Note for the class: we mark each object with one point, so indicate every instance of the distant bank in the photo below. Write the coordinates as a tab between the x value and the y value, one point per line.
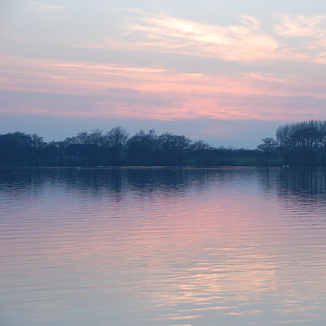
302	143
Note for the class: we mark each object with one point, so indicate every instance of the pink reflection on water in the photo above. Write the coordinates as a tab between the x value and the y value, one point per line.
208	251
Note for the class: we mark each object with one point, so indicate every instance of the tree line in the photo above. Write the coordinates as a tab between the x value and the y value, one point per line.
298	144
116	148
302	143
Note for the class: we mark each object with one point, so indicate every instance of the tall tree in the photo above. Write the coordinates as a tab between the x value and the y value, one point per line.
173	148
201	151
116	140
143	149
267	149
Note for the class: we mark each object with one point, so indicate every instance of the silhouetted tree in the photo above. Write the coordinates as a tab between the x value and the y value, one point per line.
201	151
16	149
116	140
303	145
173	148
267	149
143	149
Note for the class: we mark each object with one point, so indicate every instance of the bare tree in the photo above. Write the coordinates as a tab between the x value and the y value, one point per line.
116	140
201	150
267	148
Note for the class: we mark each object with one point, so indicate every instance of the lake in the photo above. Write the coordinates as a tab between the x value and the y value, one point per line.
223	246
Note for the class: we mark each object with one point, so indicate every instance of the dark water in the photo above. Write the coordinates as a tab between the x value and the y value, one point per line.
230	246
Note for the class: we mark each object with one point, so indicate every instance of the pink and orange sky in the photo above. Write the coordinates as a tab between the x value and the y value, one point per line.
228	72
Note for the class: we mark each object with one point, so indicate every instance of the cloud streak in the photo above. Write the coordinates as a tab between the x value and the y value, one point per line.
250	41
172	35
150	93
301	25
43	8
246	42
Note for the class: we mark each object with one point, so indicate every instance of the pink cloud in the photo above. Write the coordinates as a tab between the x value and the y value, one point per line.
301	25
237	42
88	89
245	42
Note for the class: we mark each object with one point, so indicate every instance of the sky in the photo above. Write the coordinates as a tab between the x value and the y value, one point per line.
227	72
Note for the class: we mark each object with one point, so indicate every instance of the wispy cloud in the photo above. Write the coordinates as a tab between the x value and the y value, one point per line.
301	38
242	42
304	37
301	25
89	89
111	68
250	41
45	9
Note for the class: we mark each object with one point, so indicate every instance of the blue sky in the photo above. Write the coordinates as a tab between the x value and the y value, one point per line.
228	72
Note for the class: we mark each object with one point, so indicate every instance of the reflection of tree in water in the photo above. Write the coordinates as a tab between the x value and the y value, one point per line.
117	182
157	180
178	181
14	181
71	179
267	178
301	192
298	183
303	182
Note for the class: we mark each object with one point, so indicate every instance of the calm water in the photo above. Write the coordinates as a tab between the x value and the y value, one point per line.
230	246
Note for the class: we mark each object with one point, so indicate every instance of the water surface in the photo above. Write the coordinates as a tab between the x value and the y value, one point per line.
225	246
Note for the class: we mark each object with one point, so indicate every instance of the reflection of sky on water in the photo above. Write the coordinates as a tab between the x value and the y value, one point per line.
204	247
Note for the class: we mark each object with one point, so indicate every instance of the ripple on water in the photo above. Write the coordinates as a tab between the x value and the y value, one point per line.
189	247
